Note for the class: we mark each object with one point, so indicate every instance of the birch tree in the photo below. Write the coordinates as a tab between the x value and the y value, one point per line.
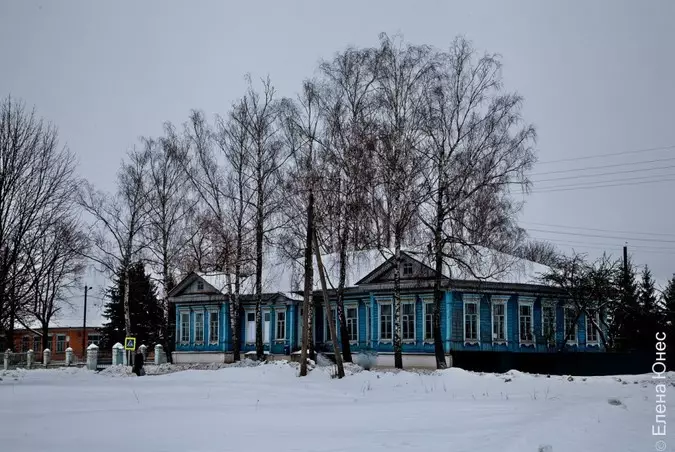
403	72
478	146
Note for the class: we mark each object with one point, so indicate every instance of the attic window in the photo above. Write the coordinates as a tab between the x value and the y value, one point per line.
407	268
200	285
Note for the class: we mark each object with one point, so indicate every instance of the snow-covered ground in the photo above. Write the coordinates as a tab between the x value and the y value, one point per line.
267	408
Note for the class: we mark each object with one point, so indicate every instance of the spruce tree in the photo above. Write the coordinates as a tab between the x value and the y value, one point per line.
649	316
628	311
668	303
147	318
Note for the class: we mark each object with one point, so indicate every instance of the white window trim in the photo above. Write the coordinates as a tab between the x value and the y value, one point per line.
412	301
503	301
213	311
353	306
573	340
426	304
405	265
520	337
597	334
180	327
276	324
203	329
549	304
471	299
380	303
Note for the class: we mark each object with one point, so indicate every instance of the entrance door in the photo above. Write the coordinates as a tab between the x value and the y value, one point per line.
250	327
266	327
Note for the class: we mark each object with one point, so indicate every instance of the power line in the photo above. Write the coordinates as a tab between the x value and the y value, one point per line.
611	154
582	187
604	246
613	165
580	234
599	230
610	173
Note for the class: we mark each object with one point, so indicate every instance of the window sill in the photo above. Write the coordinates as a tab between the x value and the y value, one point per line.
471	342
500	343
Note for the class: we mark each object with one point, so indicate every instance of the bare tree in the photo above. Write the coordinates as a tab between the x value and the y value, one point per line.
539	251
171	207
118	223
261	118
477	146
348	109
403	72
57	263
37	184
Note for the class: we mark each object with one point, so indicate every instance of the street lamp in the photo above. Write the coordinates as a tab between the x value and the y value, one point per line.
84	323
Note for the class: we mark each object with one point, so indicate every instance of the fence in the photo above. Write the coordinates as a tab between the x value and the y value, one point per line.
560	363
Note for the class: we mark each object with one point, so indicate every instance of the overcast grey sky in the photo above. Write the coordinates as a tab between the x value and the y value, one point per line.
598	78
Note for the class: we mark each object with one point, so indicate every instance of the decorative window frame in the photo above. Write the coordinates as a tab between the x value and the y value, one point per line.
526	301
246	313
427	303
217	312
407	268
573	340
471	299
596	317
353	305
381	302
500	300
276	325
182	312
196	313
548	303
411	300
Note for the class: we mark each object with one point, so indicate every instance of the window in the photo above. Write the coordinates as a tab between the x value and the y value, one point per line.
250	327
591	330
428	321
60	343
570	324
25	344
407	268
93	339
471	321
37	344
385	322
184	327
281	325
499	321
200	285
199	327
266	327
214	323
548	322
352	321
408	321
525	322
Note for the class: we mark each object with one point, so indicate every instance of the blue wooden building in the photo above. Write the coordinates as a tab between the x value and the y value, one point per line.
509	312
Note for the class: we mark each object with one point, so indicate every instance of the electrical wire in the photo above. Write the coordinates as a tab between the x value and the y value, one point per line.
611	173
611	154
580	234
597	229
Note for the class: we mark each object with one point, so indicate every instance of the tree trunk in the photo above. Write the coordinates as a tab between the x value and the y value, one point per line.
309	286
45	337
438	278
259	232
329	311
127	311
398	349
344	333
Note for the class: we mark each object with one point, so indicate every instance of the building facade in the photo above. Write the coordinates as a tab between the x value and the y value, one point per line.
59	339
477	315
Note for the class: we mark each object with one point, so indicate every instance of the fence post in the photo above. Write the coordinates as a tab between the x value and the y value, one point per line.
144	351
117	354
30	358
6	364
92	357
159	354
46	357
69	356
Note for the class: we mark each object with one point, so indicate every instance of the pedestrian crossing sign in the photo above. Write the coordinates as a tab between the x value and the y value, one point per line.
130	343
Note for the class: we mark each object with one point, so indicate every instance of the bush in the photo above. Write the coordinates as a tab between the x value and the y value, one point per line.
366	359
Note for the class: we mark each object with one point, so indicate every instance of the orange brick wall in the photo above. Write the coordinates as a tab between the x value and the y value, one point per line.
75	342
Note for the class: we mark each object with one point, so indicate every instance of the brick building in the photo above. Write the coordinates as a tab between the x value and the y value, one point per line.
60	338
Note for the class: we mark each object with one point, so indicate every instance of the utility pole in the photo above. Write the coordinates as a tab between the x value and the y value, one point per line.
625	261
84	324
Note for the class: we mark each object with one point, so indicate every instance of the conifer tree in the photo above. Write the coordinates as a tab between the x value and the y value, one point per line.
628	310
668	324
650	314
147	316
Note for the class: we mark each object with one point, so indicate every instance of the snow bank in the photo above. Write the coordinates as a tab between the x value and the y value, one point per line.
257	407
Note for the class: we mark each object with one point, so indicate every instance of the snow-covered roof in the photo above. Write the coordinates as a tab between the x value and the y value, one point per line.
285	275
